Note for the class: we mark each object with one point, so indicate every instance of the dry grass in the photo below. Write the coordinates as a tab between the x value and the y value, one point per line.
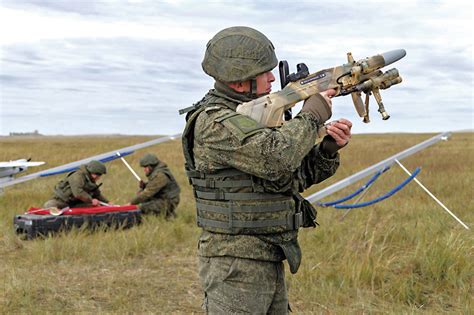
403	255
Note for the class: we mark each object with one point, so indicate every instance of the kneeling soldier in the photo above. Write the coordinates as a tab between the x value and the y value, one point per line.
79	188
161	193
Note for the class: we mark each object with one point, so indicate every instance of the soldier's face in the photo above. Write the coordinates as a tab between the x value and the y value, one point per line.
147	170
95	177
264	82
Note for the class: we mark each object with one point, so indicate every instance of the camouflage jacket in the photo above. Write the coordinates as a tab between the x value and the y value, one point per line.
78	187
280	160
161	184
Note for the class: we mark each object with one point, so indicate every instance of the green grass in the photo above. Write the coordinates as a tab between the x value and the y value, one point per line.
405	255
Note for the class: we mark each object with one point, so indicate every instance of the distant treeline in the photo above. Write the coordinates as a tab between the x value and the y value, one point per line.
16	134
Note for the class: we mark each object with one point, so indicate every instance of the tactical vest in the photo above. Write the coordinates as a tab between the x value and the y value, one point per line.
171	190
63	189
230	201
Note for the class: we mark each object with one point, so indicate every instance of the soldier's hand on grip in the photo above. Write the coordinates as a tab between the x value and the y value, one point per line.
328	95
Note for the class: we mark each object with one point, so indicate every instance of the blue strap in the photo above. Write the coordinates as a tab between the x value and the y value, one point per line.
358	191
390	193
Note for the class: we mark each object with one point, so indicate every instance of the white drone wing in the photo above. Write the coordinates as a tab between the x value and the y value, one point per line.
19	163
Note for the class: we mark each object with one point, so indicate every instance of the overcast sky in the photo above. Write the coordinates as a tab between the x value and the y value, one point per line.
88	67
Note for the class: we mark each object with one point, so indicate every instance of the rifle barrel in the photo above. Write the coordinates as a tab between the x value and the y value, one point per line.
393	55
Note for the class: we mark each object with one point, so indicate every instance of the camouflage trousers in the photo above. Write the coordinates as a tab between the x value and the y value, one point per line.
160	207
236	285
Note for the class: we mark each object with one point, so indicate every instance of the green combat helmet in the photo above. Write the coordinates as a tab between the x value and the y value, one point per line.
96	167
238	54
149	160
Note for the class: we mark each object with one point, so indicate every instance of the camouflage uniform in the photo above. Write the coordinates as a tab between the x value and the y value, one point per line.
246	180
281	161
76	190
160	194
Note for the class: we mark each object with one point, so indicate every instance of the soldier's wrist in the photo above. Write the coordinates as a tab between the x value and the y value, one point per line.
329	147
318	107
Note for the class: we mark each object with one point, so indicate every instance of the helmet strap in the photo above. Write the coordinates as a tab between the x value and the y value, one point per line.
252	94
253	86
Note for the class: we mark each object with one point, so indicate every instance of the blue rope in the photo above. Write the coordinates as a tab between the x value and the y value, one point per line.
390	193
355	193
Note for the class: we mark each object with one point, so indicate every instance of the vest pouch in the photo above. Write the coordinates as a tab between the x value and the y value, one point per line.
249	217
308	211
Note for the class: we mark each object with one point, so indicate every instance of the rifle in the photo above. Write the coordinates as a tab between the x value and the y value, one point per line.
350	78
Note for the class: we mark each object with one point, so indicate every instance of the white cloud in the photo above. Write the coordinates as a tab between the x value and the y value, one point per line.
140	60
36	26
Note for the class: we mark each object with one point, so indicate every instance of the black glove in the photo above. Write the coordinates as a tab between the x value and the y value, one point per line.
329	145
142	184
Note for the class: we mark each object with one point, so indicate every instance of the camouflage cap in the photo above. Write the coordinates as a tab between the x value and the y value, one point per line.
238	54
96	167
149	160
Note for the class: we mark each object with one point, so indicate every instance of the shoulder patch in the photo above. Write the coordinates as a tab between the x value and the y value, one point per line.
244	123
240	125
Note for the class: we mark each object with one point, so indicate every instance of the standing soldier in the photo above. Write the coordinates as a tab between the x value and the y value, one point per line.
79	188
247	178
161	193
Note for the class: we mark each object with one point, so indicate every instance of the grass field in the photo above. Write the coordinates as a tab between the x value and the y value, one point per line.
405	255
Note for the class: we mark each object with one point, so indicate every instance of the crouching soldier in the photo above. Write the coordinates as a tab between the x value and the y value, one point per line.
79	188
160	195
